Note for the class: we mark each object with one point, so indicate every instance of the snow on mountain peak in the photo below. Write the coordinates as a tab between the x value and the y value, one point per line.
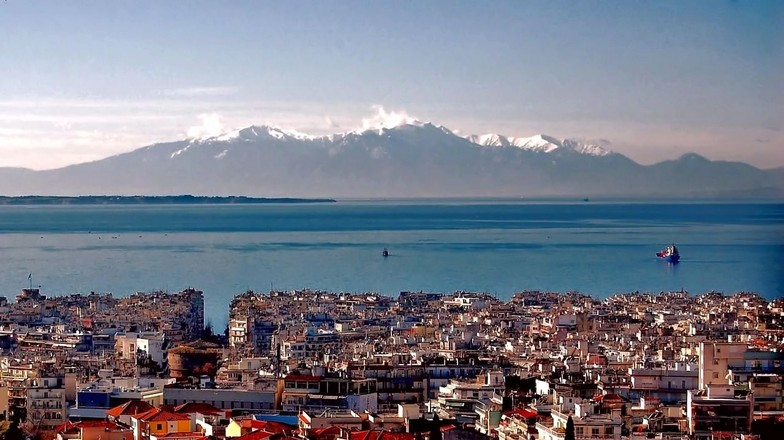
245	134
539	143
489	140
256	131
383	119
380	123
284	133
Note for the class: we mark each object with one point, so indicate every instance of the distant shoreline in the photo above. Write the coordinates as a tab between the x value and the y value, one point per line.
152	200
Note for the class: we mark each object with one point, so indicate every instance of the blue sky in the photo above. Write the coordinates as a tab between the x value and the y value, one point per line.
84	80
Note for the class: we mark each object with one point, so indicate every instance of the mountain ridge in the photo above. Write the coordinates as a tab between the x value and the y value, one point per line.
408	159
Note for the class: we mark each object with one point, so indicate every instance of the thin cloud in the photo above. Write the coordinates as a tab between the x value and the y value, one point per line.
190	92
331	123
211	125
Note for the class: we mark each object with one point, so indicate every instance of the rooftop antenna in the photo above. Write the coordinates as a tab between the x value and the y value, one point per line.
30	279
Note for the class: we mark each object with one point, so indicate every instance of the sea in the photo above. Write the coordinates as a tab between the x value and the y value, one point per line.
499	247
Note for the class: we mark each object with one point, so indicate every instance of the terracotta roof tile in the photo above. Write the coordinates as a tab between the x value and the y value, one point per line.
129	408
159	415
256	435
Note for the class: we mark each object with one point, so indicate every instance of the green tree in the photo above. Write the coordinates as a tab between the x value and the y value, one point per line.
569	434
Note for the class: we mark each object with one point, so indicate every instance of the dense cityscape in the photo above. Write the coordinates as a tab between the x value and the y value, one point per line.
331	366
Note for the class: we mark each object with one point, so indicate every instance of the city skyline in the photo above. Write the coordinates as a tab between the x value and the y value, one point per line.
87	80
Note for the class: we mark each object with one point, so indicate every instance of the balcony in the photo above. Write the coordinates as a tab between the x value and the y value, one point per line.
39	405
559	433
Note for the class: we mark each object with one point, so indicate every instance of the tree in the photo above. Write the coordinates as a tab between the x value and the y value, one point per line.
435	429
569	434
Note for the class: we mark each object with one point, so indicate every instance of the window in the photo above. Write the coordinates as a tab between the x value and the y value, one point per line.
159	427
715	374
594	431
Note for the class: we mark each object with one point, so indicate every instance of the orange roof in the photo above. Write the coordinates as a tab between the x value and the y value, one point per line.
380	435
255	435
65	427
76	426
129	408
330	432
182	434
159	415
98	424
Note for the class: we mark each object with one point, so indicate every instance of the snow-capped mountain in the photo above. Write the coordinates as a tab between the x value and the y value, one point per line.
539	143
401	157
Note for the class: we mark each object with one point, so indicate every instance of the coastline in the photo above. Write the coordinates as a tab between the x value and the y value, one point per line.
154	200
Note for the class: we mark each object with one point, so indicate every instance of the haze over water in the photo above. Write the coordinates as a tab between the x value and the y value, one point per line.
499	247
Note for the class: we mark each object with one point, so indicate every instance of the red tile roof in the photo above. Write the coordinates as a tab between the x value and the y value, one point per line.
201	408
76	426
65	427
322	433
159	415
129	408
182	435
98	424
380	435
526	413
255	435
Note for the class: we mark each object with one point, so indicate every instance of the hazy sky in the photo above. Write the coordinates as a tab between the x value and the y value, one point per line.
84	80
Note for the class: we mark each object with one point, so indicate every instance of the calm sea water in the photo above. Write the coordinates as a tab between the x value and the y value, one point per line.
498	247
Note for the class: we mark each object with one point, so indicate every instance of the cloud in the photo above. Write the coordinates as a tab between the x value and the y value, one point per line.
384	119
331	123
190	92
211	125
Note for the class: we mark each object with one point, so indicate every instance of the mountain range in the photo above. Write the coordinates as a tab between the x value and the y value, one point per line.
412	159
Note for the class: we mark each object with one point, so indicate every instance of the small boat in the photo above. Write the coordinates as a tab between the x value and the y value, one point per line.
385	253
669	254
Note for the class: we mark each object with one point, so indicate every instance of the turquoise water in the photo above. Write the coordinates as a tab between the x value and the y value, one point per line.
498	247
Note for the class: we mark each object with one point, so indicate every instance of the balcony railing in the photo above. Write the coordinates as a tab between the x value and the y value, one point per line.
560	433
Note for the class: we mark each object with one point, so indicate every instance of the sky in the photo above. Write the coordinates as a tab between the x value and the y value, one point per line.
84	80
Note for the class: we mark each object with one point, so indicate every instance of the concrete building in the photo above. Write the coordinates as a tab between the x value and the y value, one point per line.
226	399
716	410
587	424
46	407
